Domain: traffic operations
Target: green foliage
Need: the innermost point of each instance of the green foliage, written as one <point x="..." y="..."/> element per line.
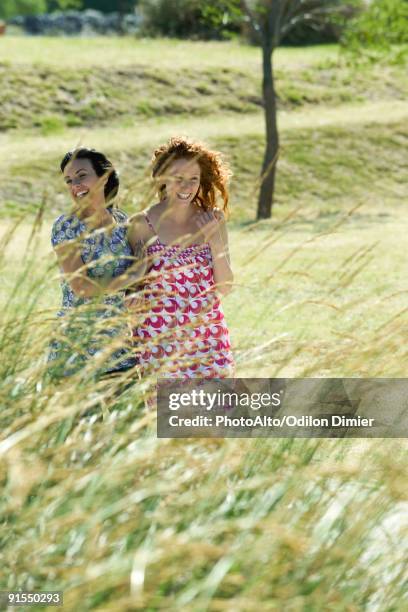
<point x="309" y="24"/>
<point x="51" y="125"/>
<point x="222" y="14"/>
<point x="379" y="27"/>
<point x="10" y="8"/>
<point x="294" y="23"/>
<point x="63" y="5"/>
<point x="108" y="6"/>
<point x="189" y="18"/>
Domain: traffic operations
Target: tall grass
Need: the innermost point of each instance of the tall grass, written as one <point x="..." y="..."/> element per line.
<point x="94" y="504"/>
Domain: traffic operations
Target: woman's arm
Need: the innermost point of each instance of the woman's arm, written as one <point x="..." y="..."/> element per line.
<point x="213" y="227"/>
<point x="74" y="269"/>
<point x="68" y="253"/>
<point x="139" y="235"/>
<point x="135" y="272"/>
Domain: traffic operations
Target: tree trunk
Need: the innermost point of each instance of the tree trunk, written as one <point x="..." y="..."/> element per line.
<point x="266" y="192"/>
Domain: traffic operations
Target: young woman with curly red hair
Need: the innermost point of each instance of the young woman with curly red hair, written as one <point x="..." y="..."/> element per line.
<point x="182" y="332"/>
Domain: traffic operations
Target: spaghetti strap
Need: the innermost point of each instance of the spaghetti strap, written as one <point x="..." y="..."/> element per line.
<point x="149" y="223"/>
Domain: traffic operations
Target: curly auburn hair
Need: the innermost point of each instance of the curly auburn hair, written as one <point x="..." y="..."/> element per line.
<point x="215" y="172"/>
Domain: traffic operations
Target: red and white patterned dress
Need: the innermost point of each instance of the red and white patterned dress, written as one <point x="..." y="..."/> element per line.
<point x="184" y="334"/>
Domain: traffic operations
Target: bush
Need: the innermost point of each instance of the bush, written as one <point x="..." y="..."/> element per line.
<point x="183" y="19"/>
<point x="10" y="8"/>
<point x="304" y="34"/>
<point x="222" y="18"/>
<point x="382" y="24"/>
<point x="109" y="6"/>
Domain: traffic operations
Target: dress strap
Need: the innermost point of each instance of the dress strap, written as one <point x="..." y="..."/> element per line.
<point x="149" y="223"/>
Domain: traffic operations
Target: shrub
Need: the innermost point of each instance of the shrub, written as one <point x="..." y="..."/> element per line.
<point x="217" y="19"/>
<point x="107" y="6"/>
<point x="382" y="24"/>
<point x="10" y="8"/>
<point x="183" y="19"/>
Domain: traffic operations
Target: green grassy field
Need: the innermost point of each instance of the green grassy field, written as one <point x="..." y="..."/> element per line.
<point x="101" y="508"/>
<point x="55" y="94"/>
<point x="168" y="53"/>
<point x="50" y="99"/>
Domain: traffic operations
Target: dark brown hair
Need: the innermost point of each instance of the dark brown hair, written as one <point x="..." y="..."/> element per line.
<point x="101" y="165"/>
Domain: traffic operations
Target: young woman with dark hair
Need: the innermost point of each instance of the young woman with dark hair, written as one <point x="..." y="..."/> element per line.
<point x="184" y="334"/>
<point x="98" y="263"/>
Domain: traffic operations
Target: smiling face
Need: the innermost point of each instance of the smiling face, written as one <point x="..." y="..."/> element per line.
<point x="83" y="183"/>
<point x="182" y="179"/>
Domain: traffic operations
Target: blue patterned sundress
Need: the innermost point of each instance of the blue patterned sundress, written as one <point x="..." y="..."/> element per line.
<point x="89" y="325"/>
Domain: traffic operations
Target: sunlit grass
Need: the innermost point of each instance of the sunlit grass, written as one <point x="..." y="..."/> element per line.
<point x="22" y="146"/>
<point x="313" y="174"/>
<point x="127" y="95"/>
<point x="117" y="518"/>
<point x="321" y="286"/>
<point x="92" y="502"/>
<point x="124" y="51"/>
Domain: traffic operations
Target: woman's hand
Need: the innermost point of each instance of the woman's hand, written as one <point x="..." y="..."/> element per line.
<point x="133" y="300"/>
<point x="139" y="250"/>
<point x="209" y="225"/>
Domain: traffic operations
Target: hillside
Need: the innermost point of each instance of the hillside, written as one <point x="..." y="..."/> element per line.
<point x="126" y="96"/>
<point x="47" y="98"/>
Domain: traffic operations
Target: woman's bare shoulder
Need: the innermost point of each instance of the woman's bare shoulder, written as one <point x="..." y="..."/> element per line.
<point x="138" y="226"/>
